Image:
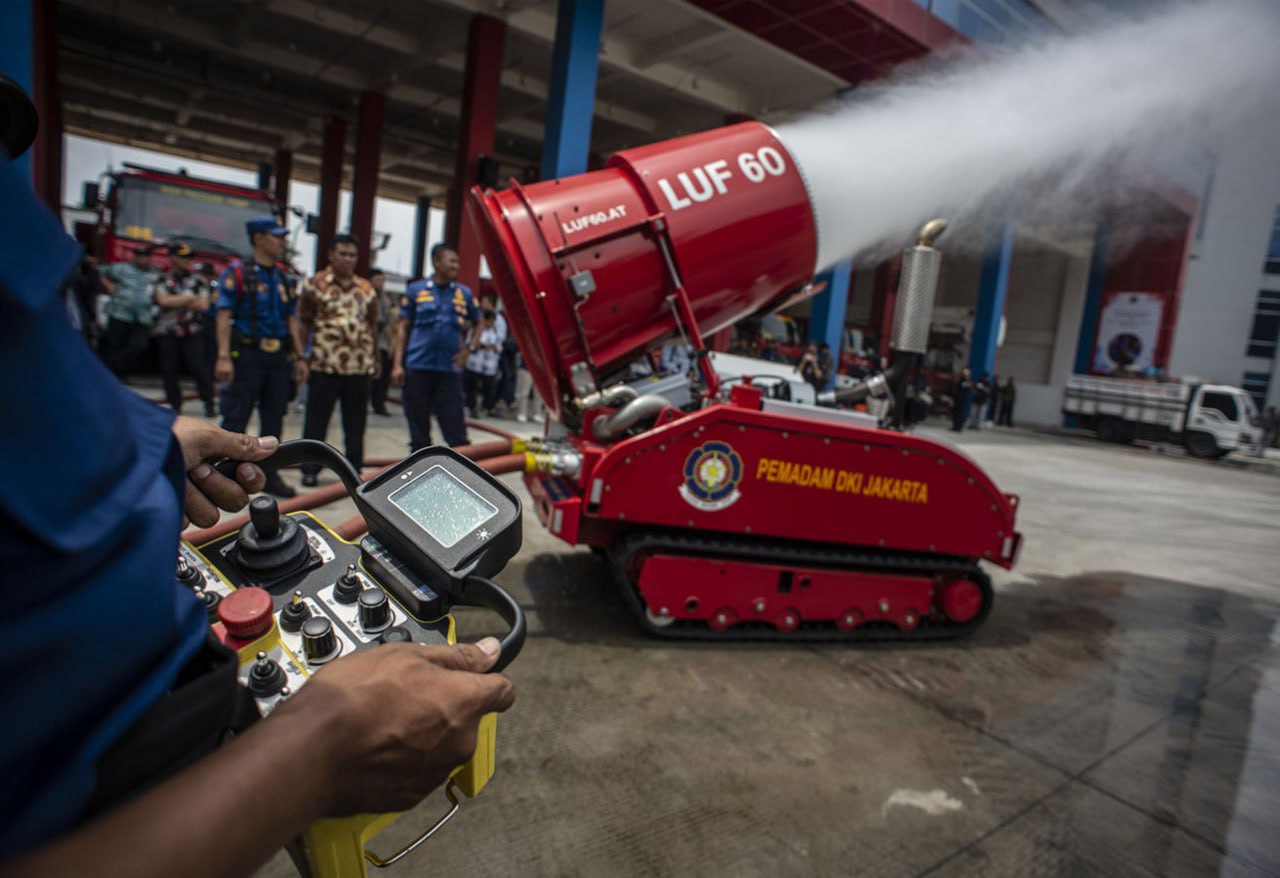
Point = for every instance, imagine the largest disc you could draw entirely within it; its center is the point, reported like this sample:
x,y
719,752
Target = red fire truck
x,y
149,206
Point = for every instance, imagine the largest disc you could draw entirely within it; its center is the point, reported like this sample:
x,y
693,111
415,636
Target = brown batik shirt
x,y
343,320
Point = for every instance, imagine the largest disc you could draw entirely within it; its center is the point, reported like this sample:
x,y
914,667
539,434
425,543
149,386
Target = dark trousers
x,y
327,389
382,383
260,380
186,351
958,406
478,386
1005,417
438,393
123,343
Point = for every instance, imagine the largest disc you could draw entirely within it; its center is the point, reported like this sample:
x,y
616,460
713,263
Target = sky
x,y
85,159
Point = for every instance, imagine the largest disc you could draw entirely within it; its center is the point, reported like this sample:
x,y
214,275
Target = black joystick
x,y
347,589
270,543
294,613
375,610
398,634
266,677
318,640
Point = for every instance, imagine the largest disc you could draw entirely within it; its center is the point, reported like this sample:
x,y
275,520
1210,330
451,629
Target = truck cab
x,y
1223,415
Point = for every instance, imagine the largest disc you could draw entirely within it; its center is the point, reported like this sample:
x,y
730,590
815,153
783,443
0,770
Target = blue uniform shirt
x,y
273,299
94,626
440,313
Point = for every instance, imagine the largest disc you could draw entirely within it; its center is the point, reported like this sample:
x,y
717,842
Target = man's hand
x,y
223,371
207,489
301,371
460,358
400,718
397,375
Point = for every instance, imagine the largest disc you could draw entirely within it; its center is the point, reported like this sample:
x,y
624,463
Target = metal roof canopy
x,y
233,81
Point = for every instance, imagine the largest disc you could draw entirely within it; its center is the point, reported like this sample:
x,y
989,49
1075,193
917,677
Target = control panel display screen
x,y
443,506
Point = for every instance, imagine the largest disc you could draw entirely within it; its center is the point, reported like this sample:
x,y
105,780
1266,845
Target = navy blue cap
x,y
267,224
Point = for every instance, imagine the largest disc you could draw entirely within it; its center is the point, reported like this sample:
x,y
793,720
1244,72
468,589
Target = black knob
x,y
294,613
187,574
265,515
347,589
375,610
266,677
211,600
398,634
318,640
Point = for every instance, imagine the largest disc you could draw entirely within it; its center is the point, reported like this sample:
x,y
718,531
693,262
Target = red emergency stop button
x,y
246,613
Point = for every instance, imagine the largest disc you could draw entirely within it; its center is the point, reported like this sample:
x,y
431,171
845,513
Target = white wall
x,y
1220,291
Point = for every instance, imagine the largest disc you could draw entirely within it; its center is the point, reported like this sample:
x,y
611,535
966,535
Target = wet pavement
x,y
1119,714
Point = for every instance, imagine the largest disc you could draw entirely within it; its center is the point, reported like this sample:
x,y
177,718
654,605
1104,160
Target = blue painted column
x,y
1092,299
571,101
17,54
827,309
1092,307
992,290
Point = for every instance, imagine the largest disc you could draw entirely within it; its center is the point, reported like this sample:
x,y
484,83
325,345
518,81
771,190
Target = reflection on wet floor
x,y
1107,724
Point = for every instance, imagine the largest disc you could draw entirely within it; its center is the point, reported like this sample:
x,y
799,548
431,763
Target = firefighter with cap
x,y
182,297
260,341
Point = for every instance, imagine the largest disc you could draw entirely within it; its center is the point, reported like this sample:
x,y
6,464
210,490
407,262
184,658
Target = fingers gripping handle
x,y
480,592
300,451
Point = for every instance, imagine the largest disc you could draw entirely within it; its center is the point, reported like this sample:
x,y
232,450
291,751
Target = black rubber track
x,y
638,544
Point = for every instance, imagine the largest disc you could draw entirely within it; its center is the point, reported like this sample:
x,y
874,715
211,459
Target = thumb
x,y
475,657
237,446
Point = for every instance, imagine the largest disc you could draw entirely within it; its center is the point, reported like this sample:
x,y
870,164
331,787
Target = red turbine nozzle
x,y
585,265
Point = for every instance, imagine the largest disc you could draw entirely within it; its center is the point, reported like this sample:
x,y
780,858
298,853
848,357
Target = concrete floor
x,y
1119,714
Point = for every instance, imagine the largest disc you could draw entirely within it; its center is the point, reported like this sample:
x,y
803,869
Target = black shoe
x,y
276,487
309,480
383,412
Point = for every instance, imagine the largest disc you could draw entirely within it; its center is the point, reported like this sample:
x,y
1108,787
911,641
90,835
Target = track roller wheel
x,y
787,620
849,619
660,620
909,620
722,619
960,600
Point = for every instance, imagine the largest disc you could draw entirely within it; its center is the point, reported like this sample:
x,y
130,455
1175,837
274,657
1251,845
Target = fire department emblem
x,y
711,475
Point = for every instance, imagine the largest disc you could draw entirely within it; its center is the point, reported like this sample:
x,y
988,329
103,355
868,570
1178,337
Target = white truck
x,y
1211,420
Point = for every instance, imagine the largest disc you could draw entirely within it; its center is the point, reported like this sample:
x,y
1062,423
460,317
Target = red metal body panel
x,y
802,479
730,205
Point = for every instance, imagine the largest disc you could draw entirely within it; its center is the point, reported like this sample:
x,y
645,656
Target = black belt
x,y
204,705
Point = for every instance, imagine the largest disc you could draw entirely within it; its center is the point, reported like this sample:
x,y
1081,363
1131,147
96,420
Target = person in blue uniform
x,y
437,318
97,635
260,341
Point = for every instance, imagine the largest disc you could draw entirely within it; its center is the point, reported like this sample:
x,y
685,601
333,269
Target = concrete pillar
x,y
17,54
1092,299
992,290
826,310
331,154
481,83
283,167
421,226
364,190
571,98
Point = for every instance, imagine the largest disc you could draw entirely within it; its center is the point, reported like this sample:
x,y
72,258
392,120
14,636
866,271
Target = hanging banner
x,y
1128,330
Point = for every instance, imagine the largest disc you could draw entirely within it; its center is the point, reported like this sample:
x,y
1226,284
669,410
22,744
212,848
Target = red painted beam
x,y
331,155
283,167
884,299
365,187
46,152
481,85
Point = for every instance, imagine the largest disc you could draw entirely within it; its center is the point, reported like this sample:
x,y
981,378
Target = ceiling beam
x,y
624,55
696,36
